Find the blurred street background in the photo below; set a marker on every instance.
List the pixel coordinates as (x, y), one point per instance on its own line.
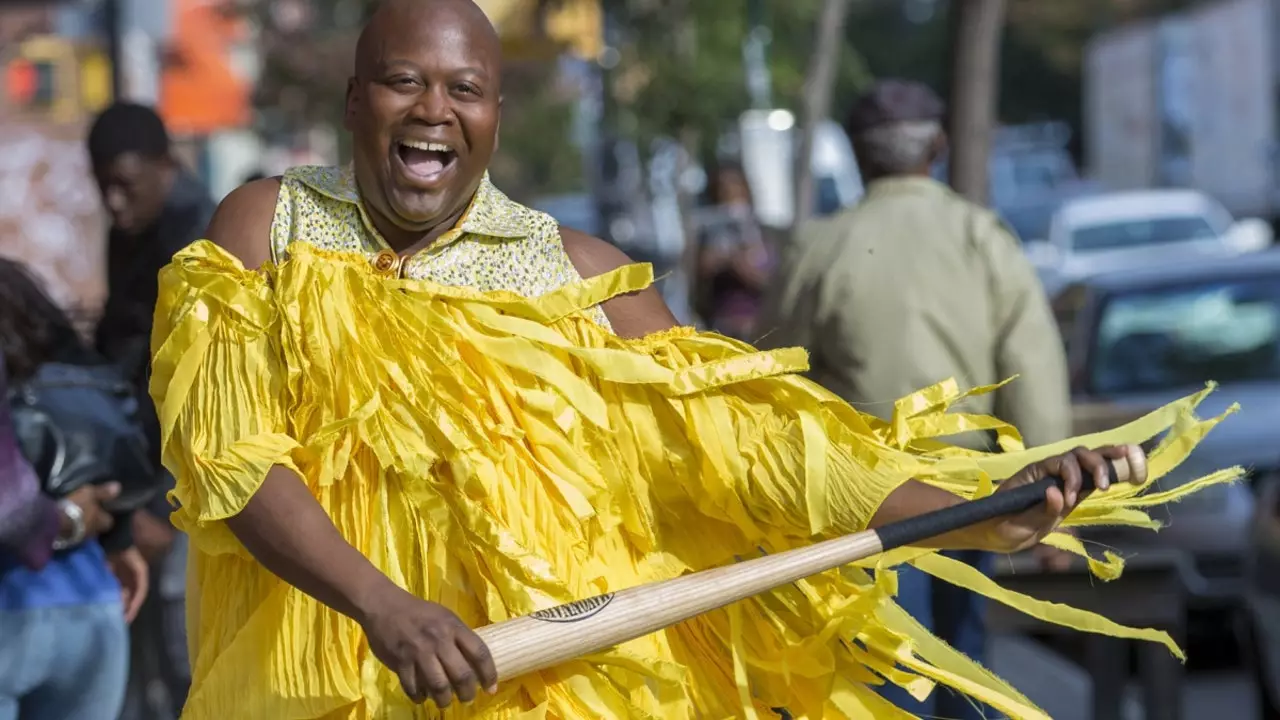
(1132, 147)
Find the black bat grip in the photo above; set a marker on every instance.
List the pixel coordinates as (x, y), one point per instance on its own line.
(940, 522)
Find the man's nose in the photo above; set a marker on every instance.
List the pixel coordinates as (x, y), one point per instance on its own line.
(433, 106)
(115, 200)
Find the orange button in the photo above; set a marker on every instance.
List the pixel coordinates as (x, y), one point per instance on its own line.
(386, 262)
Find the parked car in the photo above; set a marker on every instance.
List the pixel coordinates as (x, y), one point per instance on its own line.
(1092, 233)
(1142, 337)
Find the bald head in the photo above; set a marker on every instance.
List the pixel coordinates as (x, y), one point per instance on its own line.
(394, 18)
(423, 109)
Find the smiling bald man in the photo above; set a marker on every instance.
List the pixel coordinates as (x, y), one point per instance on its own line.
(399, 406)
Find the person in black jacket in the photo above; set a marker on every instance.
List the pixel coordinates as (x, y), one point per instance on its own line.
(156, 208)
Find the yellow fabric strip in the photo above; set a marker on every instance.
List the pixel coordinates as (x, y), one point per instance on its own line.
(628, 366)
(739, 664)
(857, 702)
(937, 652)
(553, 306)
(1222, 477)
(1108, 568)
(966, 576)
(1005, 464)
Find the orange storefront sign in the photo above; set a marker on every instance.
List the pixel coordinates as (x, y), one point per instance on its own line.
(200, 90)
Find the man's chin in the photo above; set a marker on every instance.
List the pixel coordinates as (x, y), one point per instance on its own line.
(417, 217)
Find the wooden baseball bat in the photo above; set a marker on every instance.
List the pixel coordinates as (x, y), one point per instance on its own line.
(549, 637)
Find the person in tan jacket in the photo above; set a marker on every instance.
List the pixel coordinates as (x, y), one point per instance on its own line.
(914, 285)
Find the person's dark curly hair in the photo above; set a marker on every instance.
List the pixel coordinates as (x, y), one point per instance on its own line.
(33, 328)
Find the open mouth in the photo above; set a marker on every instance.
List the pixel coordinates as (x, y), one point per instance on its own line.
(425, 161)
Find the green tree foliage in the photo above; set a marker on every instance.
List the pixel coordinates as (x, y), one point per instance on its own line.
(683, 69)
(1041, 56)
(535, 156)
(305, 68)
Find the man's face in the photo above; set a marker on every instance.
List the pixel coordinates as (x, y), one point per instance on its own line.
(134, 189)
(424, 113)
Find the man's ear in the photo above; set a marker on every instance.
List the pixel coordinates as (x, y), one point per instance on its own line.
(349, 107)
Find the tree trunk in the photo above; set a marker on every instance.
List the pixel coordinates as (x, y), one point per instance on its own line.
(975, 61)
(816, 101)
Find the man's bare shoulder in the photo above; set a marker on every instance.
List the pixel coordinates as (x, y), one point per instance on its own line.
(632, 315)
(242, 223)
(591, 256)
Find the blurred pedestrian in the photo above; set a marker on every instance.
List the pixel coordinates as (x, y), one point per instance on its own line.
(912, 286)
(63, 562)
(156, 208)
(735, 257)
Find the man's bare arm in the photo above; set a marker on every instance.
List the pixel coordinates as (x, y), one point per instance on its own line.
(916, 498)
(633, 315)
(242, 223)
(283, 526)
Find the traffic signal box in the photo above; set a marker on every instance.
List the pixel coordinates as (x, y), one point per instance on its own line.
(51, 79)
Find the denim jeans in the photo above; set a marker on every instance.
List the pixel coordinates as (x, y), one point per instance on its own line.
(63, 662)
(958, 617)
(160, 675)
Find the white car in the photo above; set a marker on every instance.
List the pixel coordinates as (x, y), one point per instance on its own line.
(1125, 229)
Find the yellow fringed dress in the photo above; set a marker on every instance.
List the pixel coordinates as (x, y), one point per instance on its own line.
(500, 455)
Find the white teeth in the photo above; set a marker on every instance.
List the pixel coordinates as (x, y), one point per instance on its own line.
(428, 146)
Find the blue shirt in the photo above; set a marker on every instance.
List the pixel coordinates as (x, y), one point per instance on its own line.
(79, 576)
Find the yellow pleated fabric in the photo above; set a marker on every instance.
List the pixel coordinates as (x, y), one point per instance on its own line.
(500, 455)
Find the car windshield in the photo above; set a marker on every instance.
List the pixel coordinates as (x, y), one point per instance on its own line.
(1185, 336)
(1142, 231)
